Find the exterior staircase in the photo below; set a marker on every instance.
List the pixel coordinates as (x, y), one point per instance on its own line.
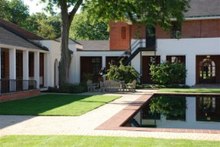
(148, 44)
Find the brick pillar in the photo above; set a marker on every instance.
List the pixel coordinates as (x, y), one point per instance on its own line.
(37, 68)
(25, 69)
(12, 69)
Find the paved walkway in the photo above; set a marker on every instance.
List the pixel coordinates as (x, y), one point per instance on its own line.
(86, 124)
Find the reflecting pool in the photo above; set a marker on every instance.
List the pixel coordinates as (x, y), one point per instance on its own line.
(172, 111)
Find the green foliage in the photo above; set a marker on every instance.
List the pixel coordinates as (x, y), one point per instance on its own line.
(45, 26)
(169, 106)
(14, 11)
(149, 12)
(168, 73)
(69, 88)
(122, 73)
(84, 29)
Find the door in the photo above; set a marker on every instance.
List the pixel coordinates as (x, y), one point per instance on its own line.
(146, 62)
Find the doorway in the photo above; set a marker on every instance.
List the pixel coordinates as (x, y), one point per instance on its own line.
(146, 62)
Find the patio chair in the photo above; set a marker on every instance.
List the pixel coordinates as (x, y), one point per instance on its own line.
(91, 86)
(102, 86)
(131, 86)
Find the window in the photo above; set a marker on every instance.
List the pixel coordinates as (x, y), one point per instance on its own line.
(123, 32)
(152, 60)
(207, 68)
(175, 30)
(96, 64)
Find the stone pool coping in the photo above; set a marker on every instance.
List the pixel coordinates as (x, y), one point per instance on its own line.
(116, 121)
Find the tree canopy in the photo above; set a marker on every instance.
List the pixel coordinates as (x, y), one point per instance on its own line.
(45, 26)
(14, 11)
(84, 29)
(149, 12)
(17, 12)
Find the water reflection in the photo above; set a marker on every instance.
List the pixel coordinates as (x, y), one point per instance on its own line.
(197, 112)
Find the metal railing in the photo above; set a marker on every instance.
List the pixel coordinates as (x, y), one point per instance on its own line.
(9, 85)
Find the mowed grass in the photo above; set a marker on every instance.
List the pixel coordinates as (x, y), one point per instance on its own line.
(99, 141)
(55, 105)
(189, 90)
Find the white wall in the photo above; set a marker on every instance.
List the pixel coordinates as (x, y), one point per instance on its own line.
(74, 75)
(54, 53)
(187, 47)
(190, 48)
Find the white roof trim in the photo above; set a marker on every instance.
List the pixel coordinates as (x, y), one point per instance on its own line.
(22, 48)
(202, 18)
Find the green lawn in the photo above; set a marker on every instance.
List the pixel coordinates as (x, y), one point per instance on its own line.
(189, 90)
(98, 141)
(55, 104)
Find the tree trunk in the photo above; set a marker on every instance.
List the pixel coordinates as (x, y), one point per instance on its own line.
(64, 63)
(67, 18)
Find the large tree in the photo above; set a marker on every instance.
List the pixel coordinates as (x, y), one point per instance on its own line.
(150, 12)
(85, 29)
(68, 11)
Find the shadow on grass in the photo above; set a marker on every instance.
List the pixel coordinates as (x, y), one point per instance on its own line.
(38, 104)
(34, 106)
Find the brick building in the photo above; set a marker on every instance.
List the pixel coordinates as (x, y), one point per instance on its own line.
(29, 61)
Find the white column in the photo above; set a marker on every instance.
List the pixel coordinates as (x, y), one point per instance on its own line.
(191, 69)
(37, 68)
(103, 61)
(162, 58)
(77, 72)
(46, 68)
(12, 69)
(191, 110)
(25, 69)
(136, 63)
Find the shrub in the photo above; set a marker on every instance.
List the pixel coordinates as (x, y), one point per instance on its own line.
(122, 73)
(69, 88)
(168, 73)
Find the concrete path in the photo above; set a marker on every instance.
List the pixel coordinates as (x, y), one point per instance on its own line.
(86, 124)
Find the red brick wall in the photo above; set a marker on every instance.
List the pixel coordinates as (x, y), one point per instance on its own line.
(19, 95)
(195, 29)
(121, 34)
(118, 40)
